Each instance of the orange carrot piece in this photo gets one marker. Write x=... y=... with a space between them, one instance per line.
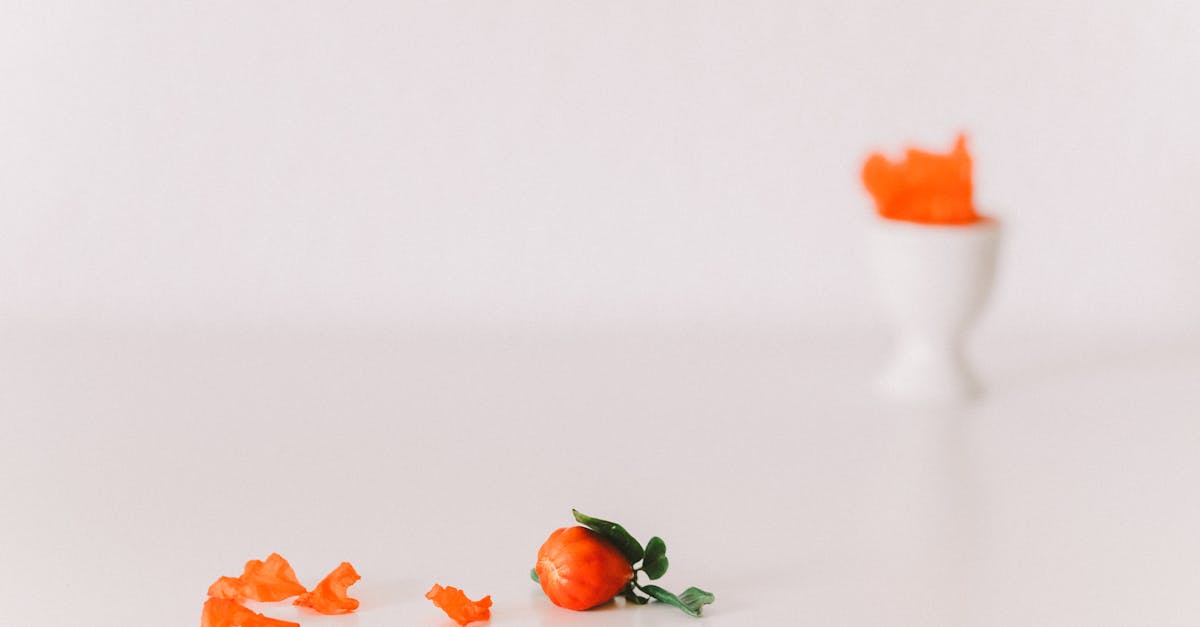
x=226 y=613
x=925 y=187
x=457 y=606
x=270 y=580
x=329 y=596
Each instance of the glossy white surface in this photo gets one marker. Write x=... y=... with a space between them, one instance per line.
x=137 y=466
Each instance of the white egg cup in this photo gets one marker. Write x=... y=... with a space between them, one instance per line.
x=933 y=281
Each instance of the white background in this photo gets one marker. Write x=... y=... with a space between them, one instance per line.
x=402 y=283
x=547 y=162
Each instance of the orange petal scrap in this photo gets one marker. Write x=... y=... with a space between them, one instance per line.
x=329 y=596
x=269 y=580
x=230 y=588
x=457 y=606
x=226 y=613
x=925 y=187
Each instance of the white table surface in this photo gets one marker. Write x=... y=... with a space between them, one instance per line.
x=138 y=465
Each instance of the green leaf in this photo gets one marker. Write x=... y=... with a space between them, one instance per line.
x=629 y=547
x=655 y=563
x=533 y=576
x=691 y=601
x=632 y=596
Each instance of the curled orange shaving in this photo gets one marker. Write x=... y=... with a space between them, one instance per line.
x=226 y=613
x=227 y=588
x=457 y=606
x=925 y=187
x=329 y=596
x=269 y=580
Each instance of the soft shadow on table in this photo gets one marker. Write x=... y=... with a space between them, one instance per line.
x=611 y=614
x=542 y=612
x=313 y=619
x=913 y=539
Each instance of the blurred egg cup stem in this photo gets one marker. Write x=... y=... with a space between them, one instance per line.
x=933 y=281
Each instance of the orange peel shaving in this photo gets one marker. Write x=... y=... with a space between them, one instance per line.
x=227 y=613
x=230 y=588
x=925 y=187
x=329 y=596
x=457 y=606
x=262 y=580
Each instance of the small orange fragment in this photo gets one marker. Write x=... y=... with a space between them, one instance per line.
x=226 y=613
x=329 y=596
x=457 y=606
x=270 y=580
x=925 y=187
